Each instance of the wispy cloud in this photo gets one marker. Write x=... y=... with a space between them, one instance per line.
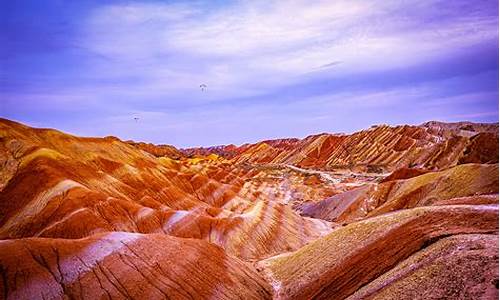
x=271 y=68
x=250 y=48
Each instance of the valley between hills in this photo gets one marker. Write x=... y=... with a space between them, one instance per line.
x=390 y=212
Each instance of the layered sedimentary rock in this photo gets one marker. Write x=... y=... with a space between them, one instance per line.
x=404 y=173
x=456 y=267
x=158 y=150
x=432 y=145
x=226 y=151
x=389 y=212
x=121 y=265
x=355 y=255
x=70 y=187
x=424 y=190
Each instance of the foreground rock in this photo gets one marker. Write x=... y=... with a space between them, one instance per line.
x=122 y=265
x=337 y=265
x=456 y=267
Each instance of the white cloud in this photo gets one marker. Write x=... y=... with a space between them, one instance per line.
x=250 y=48
x=273 y=69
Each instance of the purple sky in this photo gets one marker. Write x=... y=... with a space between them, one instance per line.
x=272 y=68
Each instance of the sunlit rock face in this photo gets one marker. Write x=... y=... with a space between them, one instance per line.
x=125 y=265
x=432 y=146
x=400 y=212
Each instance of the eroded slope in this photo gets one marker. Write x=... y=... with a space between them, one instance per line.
x=102 y=218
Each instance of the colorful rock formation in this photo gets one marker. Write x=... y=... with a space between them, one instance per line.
x=390 y=212
x=432 y=145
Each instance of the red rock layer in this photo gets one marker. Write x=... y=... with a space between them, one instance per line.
x=101 y=218
x=63 y=186
x=483 y=148
x=359 y=253
x=456 y=267
x=123 y=265
x=158 y=150
x=404 y=173
x=424 y=190
x=382 y=148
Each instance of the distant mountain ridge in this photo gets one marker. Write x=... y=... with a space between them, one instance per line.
x=432 y=145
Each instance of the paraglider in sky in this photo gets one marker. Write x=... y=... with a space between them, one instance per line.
x=203 y=86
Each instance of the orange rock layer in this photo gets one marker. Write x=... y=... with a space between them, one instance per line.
x=322 y=217
x=382 y=148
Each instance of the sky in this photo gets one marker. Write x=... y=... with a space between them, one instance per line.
x=272 y=69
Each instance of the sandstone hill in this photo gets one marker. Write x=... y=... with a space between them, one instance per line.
x=404 y=212
x=383 y=148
